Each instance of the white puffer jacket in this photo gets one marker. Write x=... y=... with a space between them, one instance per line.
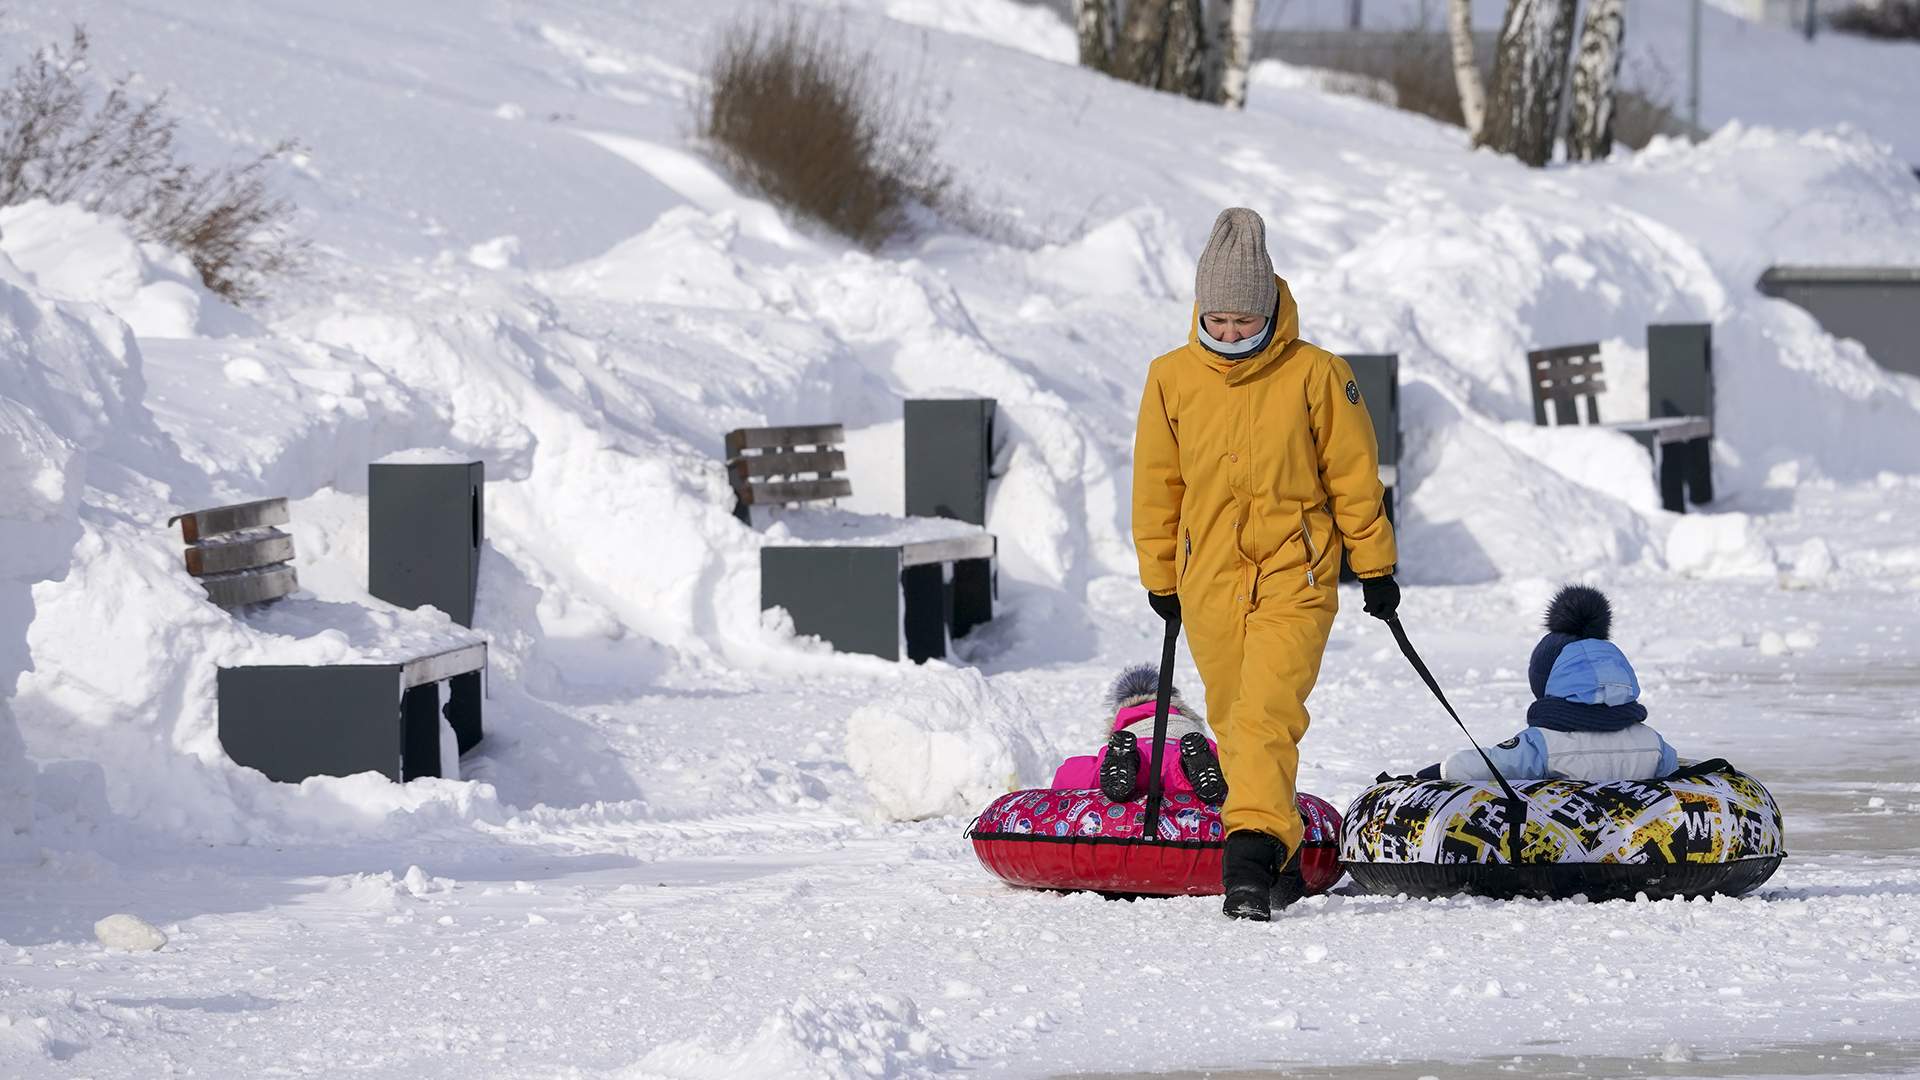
x=1634 y=753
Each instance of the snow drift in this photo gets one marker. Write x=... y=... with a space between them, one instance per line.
x=595 y=316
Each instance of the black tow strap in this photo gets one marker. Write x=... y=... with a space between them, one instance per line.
x=1516 y=806
x=1150 y=821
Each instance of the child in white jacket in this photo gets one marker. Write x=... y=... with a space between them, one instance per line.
x=1586 y=721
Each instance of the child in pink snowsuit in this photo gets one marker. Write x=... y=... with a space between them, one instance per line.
x=1116 y=769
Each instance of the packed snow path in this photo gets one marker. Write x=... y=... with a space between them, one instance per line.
x=602 y=941
x=670 y=857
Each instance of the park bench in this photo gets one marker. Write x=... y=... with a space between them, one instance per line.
x=863 y=583
x=381 y=713
x=1378 y=377
x=785 y=466
x=1678 y=431
x=1874 y=305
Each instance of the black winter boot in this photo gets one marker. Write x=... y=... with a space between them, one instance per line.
x=1120 y=772
x=1290 y=886
x=1249 y=868
x=1202 y=767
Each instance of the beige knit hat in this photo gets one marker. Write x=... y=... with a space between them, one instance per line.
x=1235 y=273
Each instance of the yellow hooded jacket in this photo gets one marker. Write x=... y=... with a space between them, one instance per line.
x=1245 y=470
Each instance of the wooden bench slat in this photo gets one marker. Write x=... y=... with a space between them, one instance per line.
x=787 y=464
x=220 y=557
x=441 y=666
x=1668 y=429
x=774 y=438
x=952 y=549
x=199 y=524
x=1563 y=353
x=786 y=491
x=250 y=586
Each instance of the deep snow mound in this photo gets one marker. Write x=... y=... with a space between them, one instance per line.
x=592 y=320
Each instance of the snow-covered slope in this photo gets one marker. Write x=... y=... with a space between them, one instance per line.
x=521 y=256
x=1752 y=72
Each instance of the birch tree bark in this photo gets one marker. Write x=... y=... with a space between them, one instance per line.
x=1233 y=48
x=1093 y=21
x=1466 y=73
x=1183 y=65
x=1596 y=78
x=1529 y=79
x=1143 y=41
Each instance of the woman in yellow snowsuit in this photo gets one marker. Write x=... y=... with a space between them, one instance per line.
x=1254 y=466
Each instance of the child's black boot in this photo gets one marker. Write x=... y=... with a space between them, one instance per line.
x=1249 y=868
x=1120 y=772
x=1202 y=767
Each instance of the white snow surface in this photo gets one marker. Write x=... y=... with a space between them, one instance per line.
x=694 y=845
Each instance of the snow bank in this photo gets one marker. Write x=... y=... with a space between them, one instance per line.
x=944 y=746
x=71 y=254
x=1718 y=546
x=593 y=319
x=856 y=1038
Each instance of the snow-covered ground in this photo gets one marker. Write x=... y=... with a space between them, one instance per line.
x=681 y=851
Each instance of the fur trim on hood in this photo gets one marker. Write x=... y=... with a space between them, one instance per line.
x=1138 y=685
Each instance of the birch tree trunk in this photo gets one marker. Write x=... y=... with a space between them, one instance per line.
x=1143 y=42
x=1529 y=79
x=1093 y=20
x=1233 y=46
x=1596 y=77
x=1466 y=73
x=1183 y=66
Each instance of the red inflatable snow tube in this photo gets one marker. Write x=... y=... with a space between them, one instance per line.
x=1078 y=840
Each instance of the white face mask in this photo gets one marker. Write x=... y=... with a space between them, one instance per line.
x=1237 y=350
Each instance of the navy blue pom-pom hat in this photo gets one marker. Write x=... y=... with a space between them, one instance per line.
x=1581 y=681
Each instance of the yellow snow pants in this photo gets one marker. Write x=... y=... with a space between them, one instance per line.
x=1259 y=662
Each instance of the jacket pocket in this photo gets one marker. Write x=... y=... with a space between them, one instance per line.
x=1186 y=555
x=1313 y=554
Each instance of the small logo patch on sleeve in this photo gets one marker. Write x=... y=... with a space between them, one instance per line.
x=1510 y=744
x=1353 y=392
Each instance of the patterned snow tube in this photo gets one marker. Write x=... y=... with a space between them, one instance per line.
x=1078 y=840
x=1709 y=830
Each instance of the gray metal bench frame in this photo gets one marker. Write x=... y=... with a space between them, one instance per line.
x=1874 y=305
x=1680 y=444
x=1377 y=376
x=883 y=600
x=292 y=721
x=295 y=721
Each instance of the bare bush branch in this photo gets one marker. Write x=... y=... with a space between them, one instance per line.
x=816 y=128
x=119 y=157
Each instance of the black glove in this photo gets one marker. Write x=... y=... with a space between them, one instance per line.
x=1382 y=596
x=1165 y=605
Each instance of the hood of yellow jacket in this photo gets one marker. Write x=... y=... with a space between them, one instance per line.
x=1286 y=330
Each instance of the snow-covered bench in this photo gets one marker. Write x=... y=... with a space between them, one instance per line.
x=864 y=583
x=1378 y=378
x=1874 y=305
x=1678 y=431
x=337 y=688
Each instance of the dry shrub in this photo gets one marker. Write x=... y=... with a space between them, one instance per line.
x=818 y=128
x=1897 y=20
x=117 y=156
x=1644 y=108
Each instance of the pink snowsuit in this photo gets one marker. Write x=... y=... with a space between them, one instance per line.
x=1083 y=772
